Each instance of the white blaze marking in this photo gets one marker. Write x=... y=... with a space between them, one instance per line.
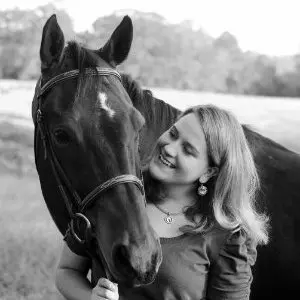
x=104 y=105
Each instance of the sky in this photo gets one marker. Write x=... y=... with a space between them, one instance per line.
x=269 y=27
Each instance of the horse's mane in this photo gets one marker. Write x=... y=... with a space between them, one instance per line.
x=144 y=100
x=139 y=97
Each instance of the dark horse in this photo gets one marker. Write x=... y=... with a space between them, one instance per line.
x=86 y=152
x=276 y=273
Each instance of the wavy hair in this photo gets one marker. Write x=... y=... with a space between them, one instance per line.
x=230 y=202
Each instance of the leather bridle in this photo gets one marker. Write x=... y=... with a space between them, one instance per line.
x=75 y=205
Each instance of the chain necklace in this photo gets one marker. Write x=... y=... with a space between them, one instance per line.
x=168 y=218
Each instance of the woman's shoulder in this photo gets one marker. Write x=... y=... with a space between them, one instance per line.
x=234 y=243
x=240 y=246
x=230 y=271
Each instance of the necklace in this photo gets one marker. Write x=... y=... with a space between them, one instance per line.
x=168 y=218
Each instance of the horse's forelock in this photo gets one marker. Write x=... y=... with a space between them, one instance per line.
x=76 y=52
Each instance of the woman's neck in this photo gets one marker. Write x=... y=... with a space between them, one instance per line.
x=178 y=197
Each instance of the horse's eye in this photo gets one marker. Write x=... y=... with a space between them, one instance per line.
x=61 y=137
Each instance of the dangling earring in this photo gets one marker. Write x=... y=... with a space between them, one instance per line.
x=202 y=189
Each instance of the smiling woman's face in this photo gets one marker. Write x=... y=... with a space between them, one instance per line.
x=181 y=155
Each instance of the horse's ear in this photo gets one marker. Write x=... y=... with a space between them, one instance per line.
x=116 y=50
x=52 y=44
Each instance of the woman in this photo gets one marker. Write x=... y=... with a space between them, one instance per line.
x=200 y=188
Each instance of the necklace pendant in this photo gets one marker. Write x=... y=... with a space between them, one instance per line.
x=168 y=219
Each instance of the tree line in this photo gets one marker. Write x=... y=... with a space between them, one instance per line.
x=162 y=54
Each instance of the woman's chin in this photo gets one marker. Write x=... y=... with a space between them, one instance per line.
x=153 y=169
x=158 y=171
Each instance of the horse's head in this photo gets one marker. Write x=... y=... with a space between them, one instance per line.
x=91 y=134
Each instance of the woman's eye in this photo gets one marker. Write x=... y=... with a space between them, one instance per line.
x=61 y=137
x=188 y=150
x=172 y=133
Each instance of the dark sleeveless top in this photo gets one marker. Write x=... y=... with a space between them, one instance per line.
x=215 y=265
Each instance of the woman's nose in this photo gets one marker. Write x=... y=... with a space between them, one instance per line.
x=170 y=149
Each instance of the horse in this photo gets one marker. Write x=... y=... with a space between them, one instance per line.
x=86 y=154
x=275 y=272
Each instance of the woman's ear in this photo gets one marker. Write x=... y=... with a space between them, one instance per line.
x=211 y=172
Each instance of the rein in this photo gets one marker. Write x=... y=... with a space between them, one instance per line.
x=75 y=205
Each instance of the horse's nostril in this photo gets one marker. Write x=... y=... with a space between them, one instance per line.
x=121 y=258
x=121 y=253
x=154 y=259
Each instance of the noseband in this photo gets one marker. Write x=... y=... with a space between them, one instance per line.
x=75 y=205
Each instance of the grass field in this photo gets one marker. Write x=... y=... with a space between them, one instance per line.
x=29 y=240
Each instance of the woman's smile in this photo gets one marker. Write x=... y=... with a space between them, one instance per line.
x=166 y=162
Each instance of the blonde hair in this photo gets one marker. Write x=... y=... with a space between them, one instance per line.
x=234 y=188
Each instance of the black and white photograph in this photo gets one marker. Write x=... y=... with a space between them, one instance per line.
x=149 y=150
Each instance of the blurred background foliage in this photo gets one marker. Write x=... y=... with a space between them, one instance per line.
x=162 y=55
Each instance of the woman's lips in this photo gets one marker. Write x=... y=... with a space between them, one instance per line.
x=166 y=162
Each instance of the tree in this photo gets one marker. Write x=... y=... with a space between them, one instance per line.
x=20 y=38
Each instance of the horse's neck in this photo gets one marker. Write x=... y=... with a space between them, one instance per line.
x=159 y=116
